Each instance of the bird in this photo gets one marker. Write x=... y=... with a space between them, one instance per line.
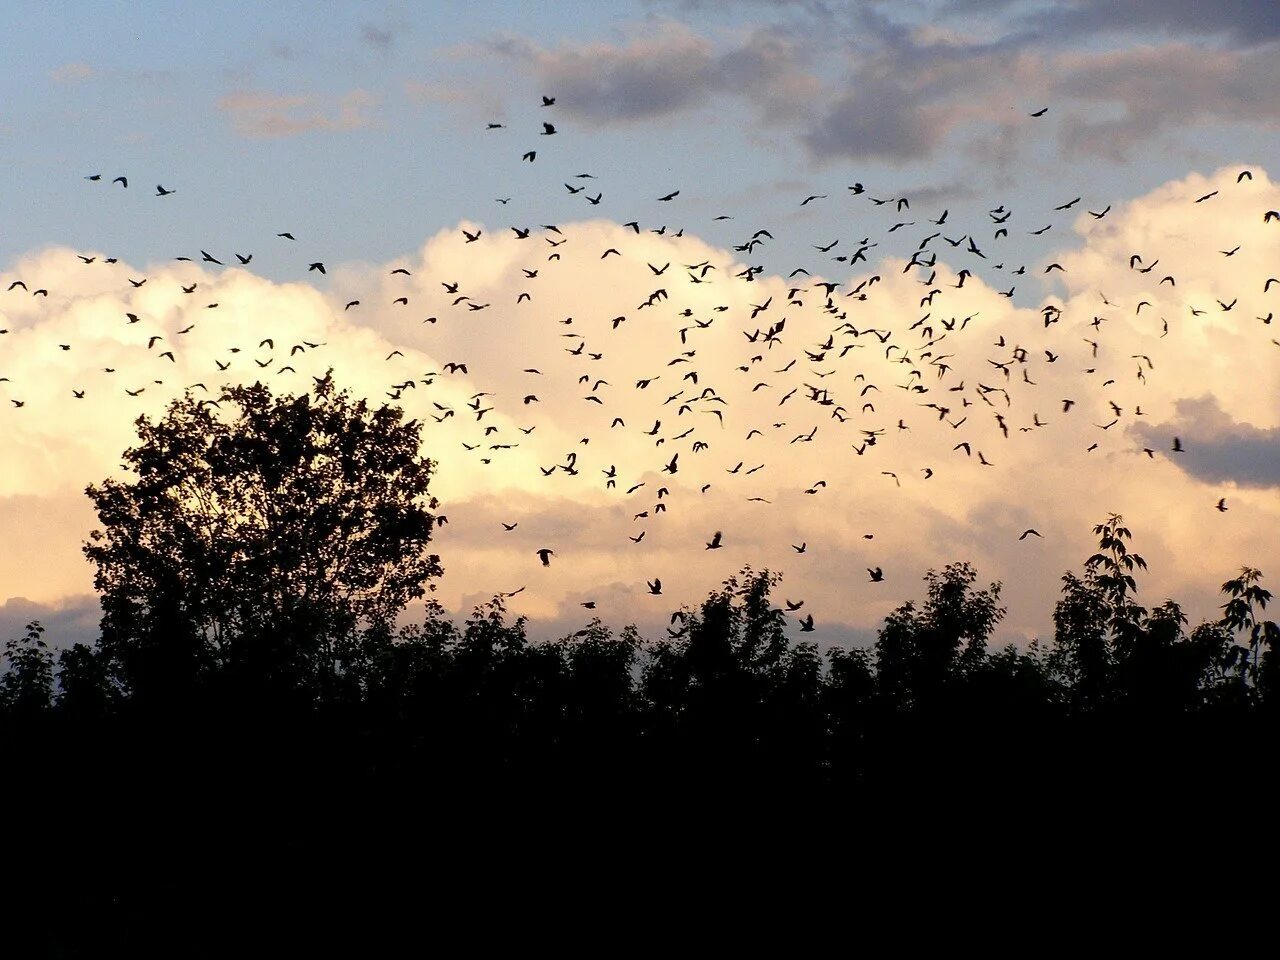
x=877 y=575
x=655 y=586
x=315 y=266
x=545 y=554
x=1029 y=532
x=1222 y=505
x=162 y=192
x=670 y=196
x=714 y=542
x=806 y=625
x=1039 y=113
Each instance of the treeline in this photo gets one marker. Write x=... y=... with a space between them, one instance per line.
x=1122 y=694
x=179 y=790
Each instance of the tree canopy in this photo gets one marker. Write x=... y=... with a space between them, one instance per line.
x=261 y=532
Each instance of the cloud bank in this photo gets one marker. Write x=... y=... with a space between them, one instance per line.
x=620 y=408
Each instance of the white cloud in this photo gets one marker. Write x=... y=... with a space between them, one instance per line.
x=259 y=115
x=1043 y=476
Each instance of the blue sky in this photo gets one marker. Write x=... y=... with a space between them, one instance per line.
x=363 y=130
x=386 y=140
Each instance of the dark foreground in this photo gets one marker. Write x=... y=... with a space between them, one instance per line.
x=169 y=805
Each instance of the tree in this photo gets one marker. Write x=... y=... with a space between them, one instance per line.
x=26 y=686
x=1257 y=662
x=922 y=651
x=262 y=542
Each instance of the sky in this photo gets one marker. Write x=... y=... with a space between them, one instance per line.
x=935 y=207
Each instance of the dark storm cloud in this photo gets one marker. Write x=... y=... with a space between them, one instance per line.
x=876 y=124
x=1217 y=448
x=667 y=70
x=902 y=101
x=906 y=93
x=377 y=37
x=1240 y=22
x=70 y=621
x=1158 y=88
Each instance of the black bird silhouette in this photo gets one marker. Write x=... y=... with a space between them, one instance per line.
x=655 y=586
x=714 y=542
x=315 y=266
x=162 y=192
x=545 y=555
x=1030 y=533
x=877 y=575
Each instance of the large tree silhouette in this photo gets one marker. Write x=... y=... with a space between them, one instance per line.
x=261 y=537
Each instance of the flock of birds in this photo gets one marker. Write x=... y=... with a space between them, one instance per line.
x=815 y=376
